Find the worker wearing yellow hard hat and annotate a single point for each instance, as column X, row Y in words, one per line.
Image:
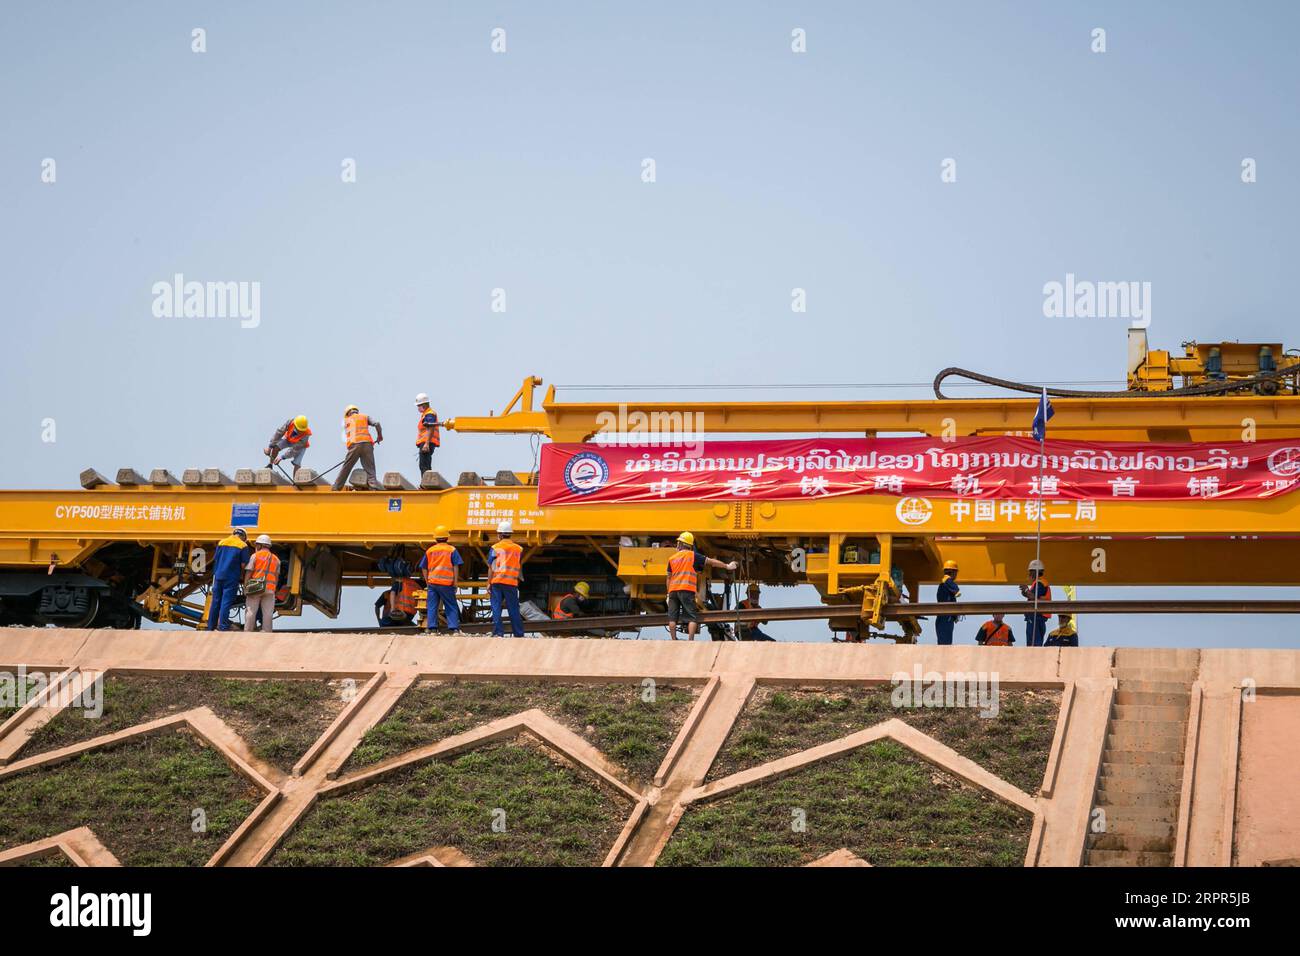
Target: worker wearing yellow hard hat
column 684, row 569
column 289, row 443
column 427, row 436
column 441, row 568
column 948, row 594
column 574, row 604
column 361, row 448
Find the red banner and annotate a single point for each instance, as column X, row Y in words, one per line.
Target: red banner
column 976, row 468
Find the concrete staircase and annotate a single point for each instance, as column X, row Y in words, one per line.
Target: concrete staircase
column 1142, row 763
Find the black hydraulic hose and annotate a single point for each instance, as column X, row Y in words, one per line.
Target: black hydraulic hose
column 1210, row 389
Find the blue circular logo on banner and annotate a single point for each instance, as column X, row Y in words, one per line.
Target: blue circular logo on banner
column 586, row 472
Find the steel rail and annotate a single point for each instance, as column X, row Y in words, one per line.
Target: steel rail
column 850, row 612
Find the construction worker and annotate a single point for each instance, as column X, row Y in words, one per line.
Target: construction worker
column 948, row 593
column 684, row 569
column 751, row 632
column 574, row 604
column 995, row 633
column 396, row 607
column 426, row 436
column 1036, row 624
column 441, row 566
column 261, row 577
column 1064, row 636
column 227, row 565
column 505, row 571
column 356, row 435
column 289, row 443
column 718, row 630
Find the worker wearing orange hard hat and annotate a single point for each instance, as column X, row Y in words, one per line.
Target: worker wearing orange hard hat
column 289, row 443
column 361, row 447
column 948, row 593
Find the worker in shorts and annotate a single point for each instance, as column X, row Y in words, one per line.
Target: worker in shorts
column 684, row 569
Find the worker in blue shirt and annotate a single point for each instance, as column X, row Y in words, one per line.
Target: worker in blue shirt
column 441, row 567
column 948, row 594
column 1036, row 624
column 227, row 569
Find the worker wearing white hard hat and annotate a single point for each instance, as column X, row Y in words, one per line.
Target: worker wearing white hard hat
column 360, row 448
column 441, row 566
column 261, row 578
column 427, row 435
column 1036, row 588
column 505, row 571
column 289, row 443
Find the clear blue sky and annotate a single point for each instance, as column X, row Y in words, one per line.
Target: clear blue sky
column 522, row 171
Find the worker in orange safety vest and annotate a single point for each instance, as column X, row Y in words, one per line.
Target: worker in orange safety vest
column 505, row 571
column 289, row 443
column 441, row 566
column 361, row 447
column 684, row 569
column 261, row 578
column 995, row 633
column 427, row 436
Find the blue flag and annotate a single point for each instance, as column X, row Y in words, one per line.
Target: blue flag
column 1045, row 412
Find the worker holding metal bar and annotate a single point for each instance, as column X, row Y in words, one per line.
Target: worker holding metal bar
column 427, row 437
column 505, row 571
column 1036, row 590
column 361, row 447
column 227, row 563
column 290, row 442
column 948, row 594
column 684, row 569
column 441, row 566
column 262, row 576
column 750, row 631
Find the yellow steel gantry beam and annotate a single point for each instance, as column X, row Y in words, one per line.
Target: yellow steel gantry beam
column 38, row 525
column 1197, row 418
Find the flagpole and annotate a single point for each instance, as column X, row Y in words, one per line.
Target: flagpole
column 1038, row 534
